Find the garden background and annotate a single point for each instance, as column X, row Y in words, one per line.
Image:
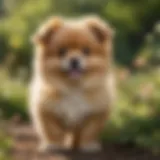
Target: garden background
column 136, row 116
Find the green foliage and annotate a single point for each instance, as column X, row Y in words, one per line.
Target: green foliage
column 5, row 144
column 135, row 120
column 19, row 25
column 5, row 141
column 131, row 20
column 13, row 97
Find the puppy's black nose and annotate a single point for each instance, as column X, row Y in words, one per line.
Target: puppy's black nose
column 74, row 63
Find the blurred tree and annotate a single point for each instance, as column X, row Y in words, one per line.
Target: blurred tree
column 19, row 25
column 132, row 19
column 2, row 10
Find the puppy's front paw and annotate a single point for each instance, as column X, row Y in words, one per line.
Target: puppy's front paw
column 42, row 147
column 54, row 147
column 91, row 147
column 49, row 147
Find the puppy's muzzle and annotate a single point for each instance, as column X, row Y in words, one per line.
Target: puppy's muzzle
column 75, row 64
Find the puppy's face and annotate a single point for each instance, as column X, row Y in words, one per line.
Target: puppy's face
column 74, row 50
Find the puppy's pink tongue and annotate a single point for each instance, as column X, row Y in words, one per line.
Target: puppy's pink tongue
column 75, row 74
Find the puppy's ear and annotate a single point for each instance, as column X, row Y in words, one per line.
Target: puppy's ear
column 101, row 30
column 47, row 30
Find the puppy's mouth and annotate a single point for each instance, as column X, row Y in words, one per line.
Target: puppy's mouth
column 75, row 73
column 75, row 69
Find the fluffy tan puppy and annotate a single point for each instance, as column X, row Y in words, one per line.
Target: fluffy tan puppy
column 71, row 89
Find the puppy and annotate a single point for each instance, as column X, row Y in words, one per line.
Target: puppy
column 71, row 90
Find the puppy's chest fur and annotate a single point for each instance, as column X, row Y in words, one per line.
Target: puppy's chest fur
column 72, row 107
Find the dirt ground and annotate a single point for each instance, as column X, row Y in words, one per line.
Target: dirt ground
column 25, row 148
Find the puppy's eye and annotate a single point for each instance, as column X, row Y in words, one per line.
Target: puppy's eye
column 62, row 51
column 86, row 51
